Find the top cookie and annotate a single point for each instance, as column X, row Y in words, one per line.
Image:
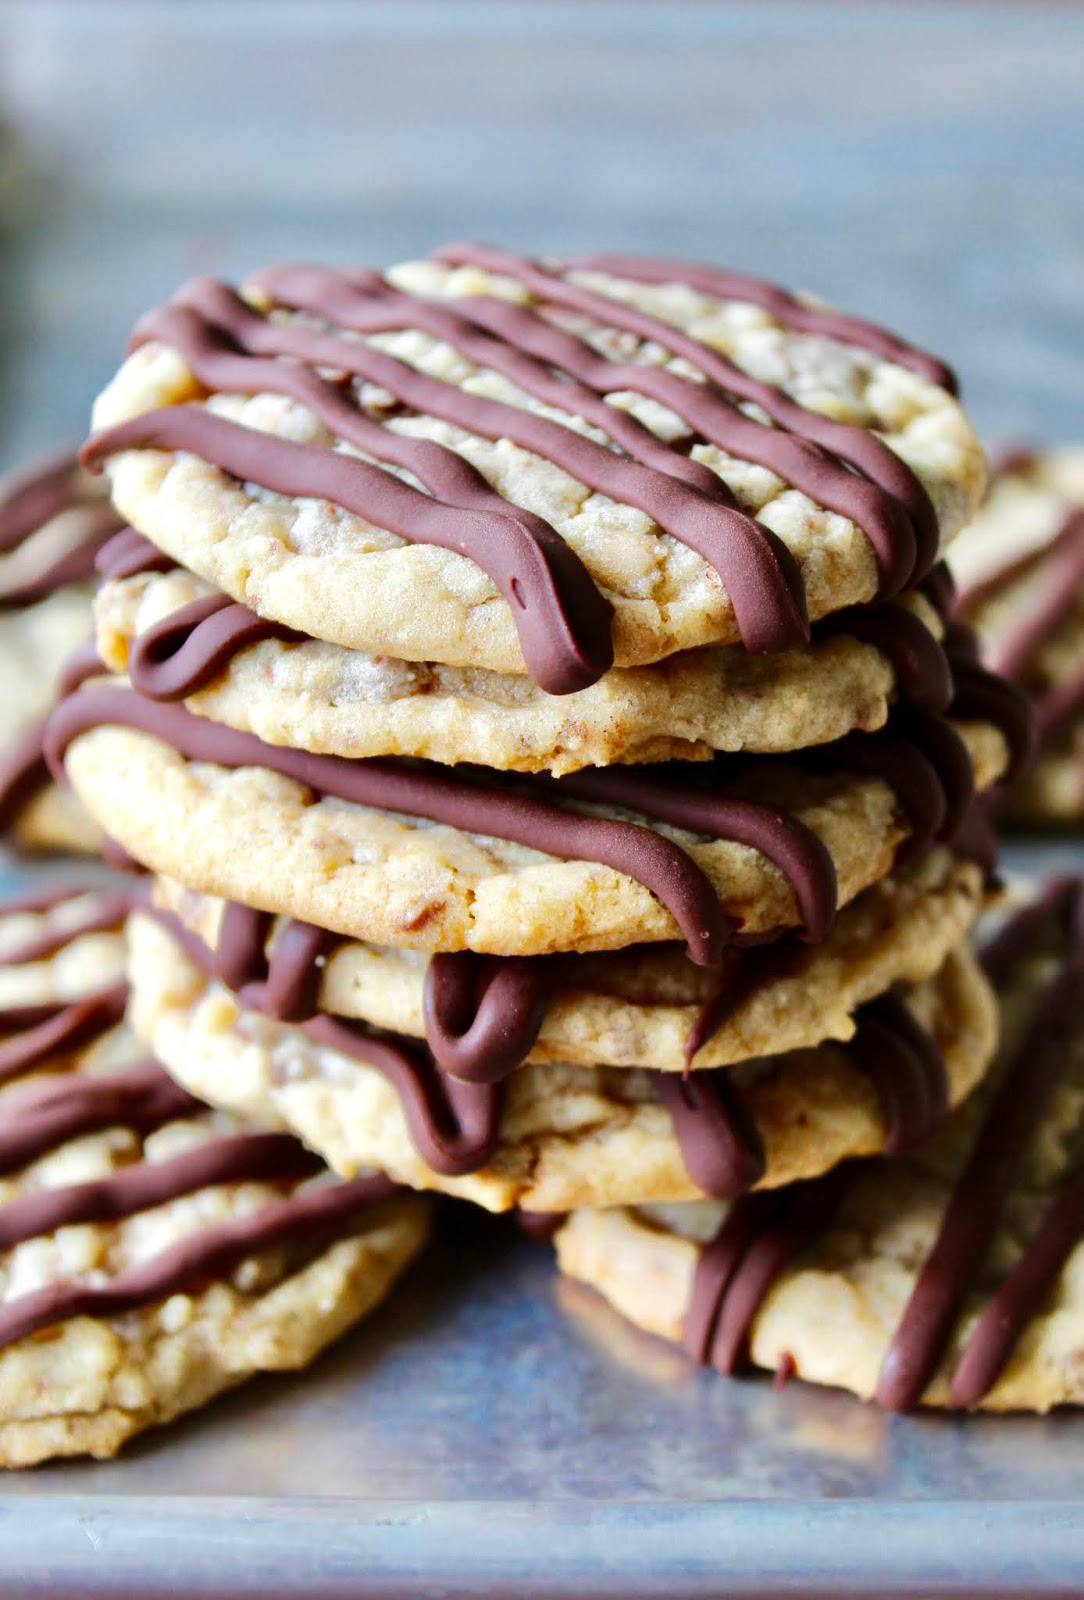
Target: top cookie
column 482, row 461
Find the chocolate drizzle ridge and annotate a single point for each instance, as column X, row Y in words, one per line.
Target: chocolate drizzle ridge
column 562, row 619
column 49, row 1111
column 29, row 500
column 308, row 1217
column 454, row 1126
column 523, row 812
column 772, row 1229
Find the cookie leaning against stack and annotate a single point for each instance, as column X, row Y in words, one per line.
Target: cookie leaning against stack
column 1019, row 571
column 466, row 704
column 152, row 1252
column 54, row 518
column 954, row 1277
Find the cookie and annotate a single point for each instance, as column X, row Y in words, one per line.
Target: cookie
column 481, row 1017
column 493, row 463
column 555, row 1136
column 1020, row 581
column 53, row 520
column 301, row 835
column 178, row 638
column 951, row 1277
column 152, row 1252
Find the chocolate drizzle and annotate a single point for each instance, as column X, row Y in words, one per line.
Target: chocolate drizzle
column 719, row 1140
column 483, row 1014
column 24, row 772
column 29, row 500
column 760, row 1235
column 41, row 1116
column 562, row 619
column 905, row 1067
column 769, row 1230
column 1055, row 572
column 521, row 812
column 33, row 1034
column 453, row 1125
column 921, row 668
column 185, row 651
column 307, row 1217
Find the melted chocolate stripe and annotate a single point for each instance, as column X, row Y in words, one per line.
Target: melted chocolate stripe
column 920, row 665
column 763, row 1232
column 239, row 956
column 975, row 1207
column 47, row 1112
column 35, row 496
column 212, row 1253
column 972, row 595
column 290, row 989
column 775, row 1236
column 802, row 315
column 1007, row 1314
column 24, row 773
column 646, row 857
column 228, row 346
column 984, row 697
column 106, row 916
column 76, row 565
column 187, row 650
column 128, row 554
column 82, row 665
column 562, row 620
column 454, row 1126
column 483, row 1014
column 719, row 1140
column 685, row 498
column 241, row 1158
column 795, row 849
column 1047, row 610
column 908, row 541
column 906, row 1069
column 66, row 1028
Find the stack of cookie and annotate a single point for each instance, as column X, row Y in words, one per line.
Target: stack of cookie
column 1019, row 571
column 528, row 691
column 54, row 517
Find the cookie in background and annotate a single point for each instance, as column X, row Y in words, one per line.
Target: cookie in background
column 1019, row 571
column 54, row 518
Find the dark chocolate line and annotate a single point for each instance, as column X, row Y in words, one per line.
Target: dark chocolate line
column 906, row 1068
column 240, row 1158
column 128, row 555
column 62, row 1028
column 46, row 1112
column 185, row 651
column 719, row 1140
column 105, row 916
column 227, row 345
column 424, row 791
column 212, row 1253
column 1006, row 1315
column 975, row 1207
column 906, row 542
